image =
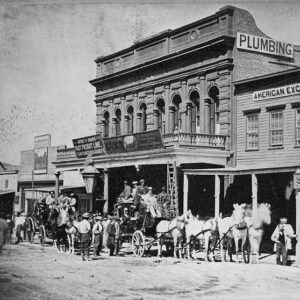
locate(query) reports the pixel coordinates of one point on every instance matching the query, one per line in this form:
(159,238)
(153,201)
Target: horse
(72,231)
(170,230)
(233,228)
(61,221)
(256,226)
(197,230)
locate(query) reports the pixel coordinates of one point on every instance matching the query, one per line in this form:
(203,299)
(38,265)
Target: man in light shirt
(98,233)
(84,228)
(151,203)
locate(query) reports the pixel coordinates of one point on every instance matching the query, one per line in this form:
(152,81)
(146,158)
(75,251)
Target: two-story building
(180,82)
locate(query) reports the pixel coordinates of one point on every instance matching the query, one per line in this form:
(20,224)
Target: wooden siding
(288,154)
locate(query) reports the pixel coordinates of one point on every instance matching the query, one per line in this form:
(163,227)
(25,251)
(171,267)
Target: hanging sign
(283,91)
(264,45)
(89,145)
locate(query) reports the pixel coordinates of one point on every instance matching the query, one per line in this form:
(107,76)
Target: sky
(48,48)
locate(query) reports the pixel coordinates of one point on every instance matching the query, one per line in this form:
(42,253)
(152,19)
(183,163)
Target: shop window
(161,116)
(276,128)
(252,132)
(194,117)
(298,127)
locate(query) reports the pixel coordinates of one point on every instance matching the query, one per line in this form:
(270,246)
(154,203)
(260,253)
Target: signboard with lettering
(296,181)
(40,160)
(283,91)
(264,45)
(42,141)
(88,145)
(142,141)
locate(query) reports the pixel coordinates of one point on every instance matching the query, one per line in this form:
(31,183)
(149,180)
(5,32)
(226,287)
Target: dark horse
(63,216)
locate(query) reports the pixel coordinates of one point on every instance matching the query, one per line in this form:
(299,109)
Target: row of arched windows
(191,110)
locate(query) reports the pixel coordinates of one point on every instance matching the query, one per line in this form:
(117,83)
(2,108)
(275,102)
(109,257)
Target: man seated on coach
(126,193)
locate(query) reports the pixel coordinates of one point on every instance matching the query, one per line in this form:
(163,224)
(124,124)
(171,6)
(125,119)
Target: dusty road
(31,272)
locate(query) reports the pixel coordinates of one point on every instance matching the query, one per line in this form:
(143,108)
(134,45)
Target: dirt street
(32,272)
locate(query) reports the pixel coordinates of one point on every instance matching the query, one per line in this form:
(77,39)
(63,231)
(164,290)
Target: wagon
(140,233)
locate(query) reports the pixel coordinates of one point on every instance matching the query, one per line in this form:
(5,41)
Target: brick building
(185,83)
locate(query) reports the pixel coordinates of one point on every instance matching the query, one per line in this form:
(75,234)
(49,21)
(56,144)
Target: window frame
(272,112)
(248,115)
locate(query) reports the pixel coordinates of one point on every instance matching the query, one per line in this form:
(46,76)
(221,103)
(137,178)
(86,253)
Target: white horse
(197,230)
(234,227)
(256,227)
(175,229)
(72,232)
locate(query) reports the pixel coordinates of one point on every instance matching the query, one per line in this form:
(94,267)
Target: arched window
(177,116)
(143,120)
(106,124)
(130,120)
(118,122)
(194,117)
(161,124)
(214,110)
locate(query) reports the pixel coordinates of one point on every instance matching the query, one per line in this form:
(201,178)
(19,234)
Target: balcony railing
(194,140)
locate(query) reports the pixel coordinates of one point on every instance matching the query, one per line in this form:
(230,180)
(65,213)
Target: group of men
(141,195)
(104,231)
(62,201)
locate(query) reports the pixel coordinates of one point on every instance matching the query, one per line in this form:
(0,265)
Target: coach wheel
(246,252)
(138,243)
(42,235)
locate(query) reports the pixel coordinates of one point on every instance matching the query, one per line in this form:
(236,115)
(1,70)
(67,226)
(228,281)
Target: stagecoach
(39,223)
(140,233)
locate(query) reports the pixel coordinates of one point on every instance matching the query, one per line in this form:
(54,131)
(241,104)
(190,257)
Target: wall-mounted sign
(40,160)
(264,45)
(287,90)
(142,141)
(42,141)
(89,145)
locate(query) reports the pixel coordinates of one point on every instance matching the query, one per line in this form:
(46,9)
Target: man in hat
(73,203)
(163,200)
(98,235)
(126,193)
(282,236)
(141,189)
(84,228)
(134,189)
(50,200)
(151,204)
(112,235)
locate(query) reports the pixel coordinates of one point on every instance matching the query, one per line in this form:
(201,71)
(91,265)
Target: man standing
(150,202)
(50,200)
(163,200)
(112,235)
(84,228)
(126,194)
(98,234)
(140,190)
(19,223)
(282,236)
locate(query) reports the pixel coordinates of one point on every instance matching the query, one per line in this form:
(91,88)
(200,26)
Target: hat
(98,218)
(125,181)
(72,194)
(142,180)
(86,215)
(134,182)
(149,188)
(163,187)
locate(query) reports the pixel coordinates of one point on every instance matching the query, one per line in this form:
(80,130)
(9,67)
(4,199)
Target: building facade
(186,83)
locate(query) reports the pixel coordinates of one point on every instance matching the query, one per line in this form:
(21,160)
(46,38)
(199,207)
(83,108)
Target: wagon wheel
(30,230)
(138,243)
(246,251)
(42,235)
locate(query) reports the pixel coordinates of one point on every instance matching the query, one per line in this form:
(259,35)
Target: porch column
(172,118)
(57,174)
(217,195)
(207,115)
(126,119)
(254,194)
(155,116)
(185,192)
(105,193)
(189,117)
